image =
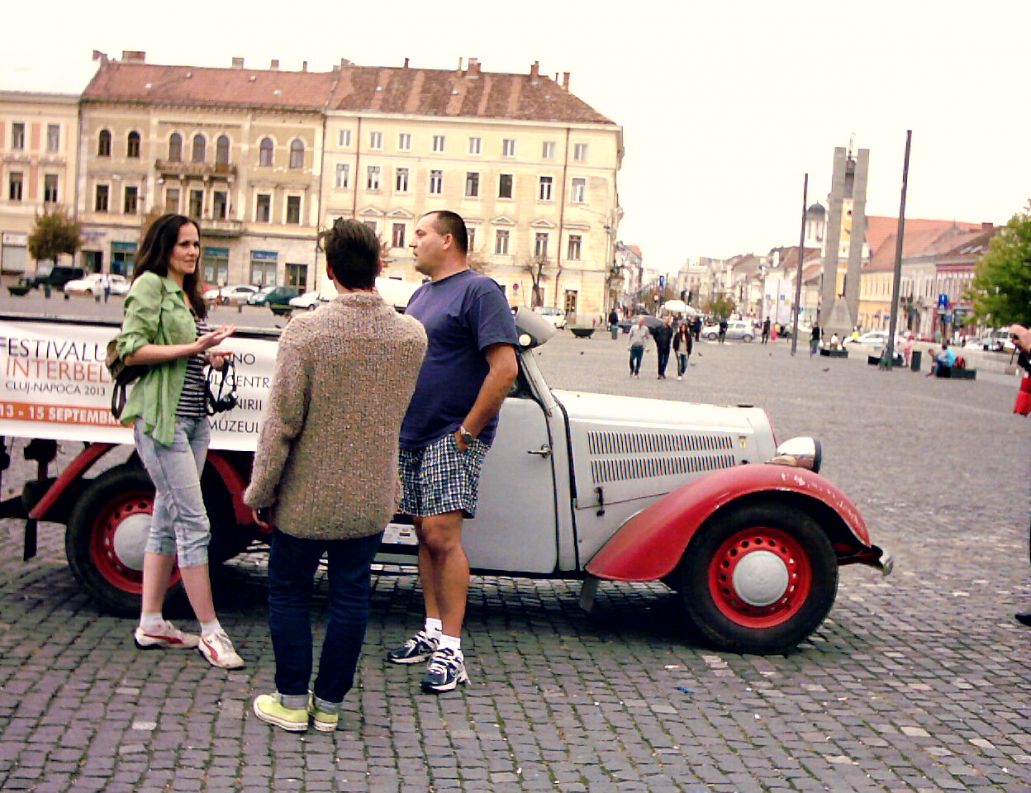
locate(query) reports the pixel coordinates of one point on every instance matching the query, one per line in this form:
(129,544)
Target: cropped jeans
(180,519)
(291,572)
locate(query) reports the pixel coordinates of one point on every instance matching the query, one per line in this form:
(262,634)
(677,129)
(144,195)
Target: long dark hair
(157,246)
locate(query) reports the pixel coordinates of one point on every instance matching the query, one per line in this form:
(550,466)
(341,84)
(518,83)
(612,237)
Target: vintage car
(577,486)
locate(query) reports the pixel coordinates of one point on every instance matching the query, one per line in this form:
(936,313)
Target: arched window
(199,145)
(265,149)
(175,147)
(297,154)
(104,143)
(132,146)
(222,149)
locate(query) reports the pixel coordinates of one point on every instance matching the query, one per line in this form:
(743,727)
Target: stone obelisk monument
(846,233)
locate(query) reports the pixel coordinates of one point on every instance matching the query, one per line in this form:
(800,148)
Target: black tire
(711,336)
(790,539)
(748,338)
(105,550)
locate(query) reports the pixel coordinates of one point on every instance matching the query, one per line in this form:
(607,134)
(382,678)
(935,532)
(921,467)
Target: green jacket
(156,312)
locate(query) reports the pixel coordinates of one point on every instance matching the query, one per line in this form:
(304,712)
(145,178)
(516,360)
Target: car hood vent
(624,456)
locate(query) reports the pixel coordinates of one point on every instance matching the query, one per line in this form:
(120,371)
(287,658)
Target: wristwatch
(466,436)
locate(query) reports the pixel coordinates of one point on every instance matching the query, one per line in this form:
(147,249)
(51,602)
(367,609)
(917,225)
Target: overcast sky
(724,105)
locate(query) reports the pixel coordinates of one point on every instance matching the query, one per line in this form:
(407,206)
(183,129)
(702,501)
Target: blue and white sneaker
(445,671)
(416,650)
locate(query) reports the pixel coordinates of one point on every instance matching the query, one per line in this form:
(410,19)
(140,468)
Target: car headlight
(800,452)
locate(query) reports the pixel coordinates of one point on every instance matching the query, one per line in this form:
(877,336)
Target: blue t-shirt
(463,314)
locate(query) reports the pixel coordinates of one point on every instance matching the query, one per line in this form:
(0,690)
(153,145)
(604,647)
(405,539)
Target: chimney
(987,226)
(406,64)
(274,65)
(100,56)
(535,70)
(565,80)
(304,66)
(474,67)
(237,63)
(460,62)
(134,56)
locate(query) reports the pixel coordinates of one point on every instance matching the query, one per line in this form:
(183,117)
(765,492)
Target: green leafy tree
(1001,289)
(54,233)
(720,306)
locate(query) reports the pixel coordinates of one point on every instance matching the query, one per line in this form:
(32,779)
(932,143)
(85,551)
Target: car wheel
(711,337)
(313,306)
(759,579)
(747,338)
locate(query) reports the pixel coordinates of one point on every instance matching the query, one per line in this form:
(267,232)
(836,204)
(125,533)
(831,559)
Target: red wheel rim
(102,542)
(734,551)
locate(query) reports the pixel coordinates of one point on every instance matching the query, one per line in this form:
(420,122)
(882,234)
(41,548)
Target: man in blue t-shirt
(469,368)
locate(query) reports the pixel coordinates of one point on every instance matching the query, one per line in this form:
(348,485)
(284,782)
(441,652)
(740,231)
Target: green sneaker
(323,721)
(268,708)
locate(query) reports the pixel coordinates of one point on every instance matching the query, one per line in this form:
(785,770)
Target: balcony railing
(217,170)
(222,227)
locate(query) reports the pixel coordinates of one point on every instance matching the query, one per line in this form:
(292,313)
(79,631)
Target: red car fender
(649,545)
(234,482)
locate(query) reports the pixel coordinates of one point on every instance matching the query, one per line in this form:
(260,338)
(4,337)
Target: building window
(397,238)
(263,268)
(215,264)
(508,147)
(53,138)
(472,185)
(474,145)
(501,242)
(438,143)
(222,150)
(103,143)
(548,152)
(544,188)
(200,148)
(103,192)
(375,140)
(343,179)
(345,138)
(579,152)
(266,153)
(540,245)
(196,203)
(297,154)
(372,178)
(471,234)
(293,209)
(297,275)
(14,186)
(18,136)
(219,205)
(505,185)
(404,142)
(263,208)
(575,245)
(172,200)
(130,200)
(401,180)
(436,182)
(50,188)
(175,147)
(579,191)
(132,146)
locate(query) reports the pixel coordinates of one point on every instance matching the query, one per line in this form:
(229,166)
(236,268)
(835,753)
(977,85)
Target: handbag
(122,376)
(221,396)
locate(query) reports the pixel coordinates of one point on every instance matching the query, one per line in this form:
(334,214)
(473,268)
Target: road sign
(662,282)
(943,300)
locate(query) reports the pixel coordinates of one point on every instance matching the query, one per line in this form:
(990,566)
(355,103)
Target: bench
(827,352)
(956,373)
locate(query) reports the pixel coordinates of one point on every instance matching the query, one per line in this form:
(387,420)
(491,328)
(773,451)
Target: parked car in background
(61,275)
(874,337)
(556,316)
(234,295)
(997,341)
(309,301)
(93,285)
(258,298)
(277,299)
(737,330)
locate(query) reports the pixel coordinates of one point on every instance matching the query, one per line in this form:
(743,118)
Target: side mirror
(800,452)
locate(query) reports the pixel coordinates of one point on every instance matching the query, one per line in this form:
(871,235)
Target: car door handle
(544,451)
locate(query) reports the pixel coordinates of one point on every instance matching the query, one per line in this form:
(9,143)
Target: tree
(1001,288)
(535,267)
(54,233)
(722,306)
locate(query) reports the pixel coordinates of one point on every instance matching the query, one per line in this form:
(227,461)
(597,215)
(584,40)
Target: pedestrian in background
(614,323)
(639,335)
(106,283)
(766,330)
(1021,338)
(469,369)
(723,329)
(682,345)
(165,329)
(325,473)
(663,335)
(814,340)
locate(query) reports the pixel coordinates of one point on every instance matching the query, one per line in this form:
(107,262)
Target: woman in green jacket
(164,328)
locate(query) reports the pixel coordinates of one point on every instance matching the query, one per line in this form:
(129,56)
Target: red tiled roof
(927,240)
(879,228)
(428,92)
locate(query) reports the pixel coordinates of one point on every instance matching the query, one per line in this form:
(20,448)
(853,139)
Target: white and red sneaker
(219,651)
(165,637)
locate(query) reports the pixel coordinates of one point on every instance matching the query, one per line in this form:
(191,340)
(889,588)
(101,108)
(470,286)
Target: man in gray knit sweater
(325,473)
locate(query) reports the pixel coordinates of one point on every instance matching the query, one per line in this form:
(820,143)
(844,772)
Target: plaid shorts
(439,478)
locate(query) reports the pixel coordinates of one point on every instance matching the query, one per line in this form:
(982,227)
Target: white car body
(233,295)
(874,337)
(556,316)
(737,330)
(393,290)
(93,284)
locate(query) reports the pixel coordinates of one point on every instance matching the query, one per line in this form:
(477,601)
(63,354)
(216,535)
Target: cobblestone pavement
(920,681)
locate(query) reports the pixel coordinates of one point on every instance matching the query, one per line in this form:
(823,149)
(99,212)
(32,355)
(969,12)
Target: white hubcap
(130,540)
(761,578)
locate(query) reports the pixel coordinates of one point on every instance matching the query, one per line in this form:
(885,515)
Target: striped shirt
(193,400)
